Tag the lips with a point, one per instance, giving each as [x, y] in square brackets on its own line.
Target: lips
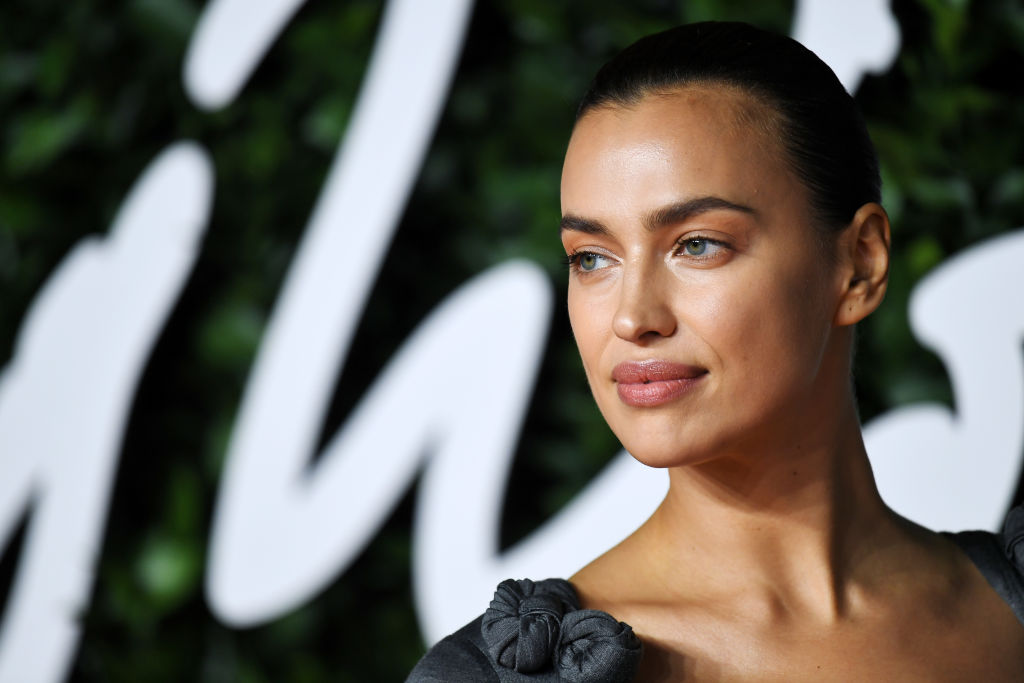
[654, 382]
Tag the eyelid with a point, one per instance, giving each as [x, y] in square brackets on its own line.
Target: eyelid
[715, 236]
[590, 249]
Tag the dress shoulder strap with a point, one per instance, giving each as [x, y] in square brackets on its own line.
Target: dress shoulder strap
[1000, 558]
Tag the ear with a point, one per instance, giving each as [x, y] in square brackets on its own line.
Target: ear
[863, 264]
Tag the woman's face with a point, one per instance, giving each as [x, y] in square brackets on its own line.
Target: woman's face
[700, 296]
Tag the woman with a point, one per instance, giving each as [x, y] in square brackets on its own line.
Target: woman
[724, 236]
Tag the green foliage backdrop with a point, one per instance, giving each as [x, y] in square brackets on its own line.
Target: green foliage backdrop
[90, 92]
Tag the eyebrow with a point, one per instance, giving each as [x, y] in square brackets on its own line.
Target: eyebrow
[677, 212]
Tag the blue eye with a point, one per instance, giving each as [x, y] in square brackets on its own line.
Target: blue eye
[700, 247]
[587, 261]
[696, 247]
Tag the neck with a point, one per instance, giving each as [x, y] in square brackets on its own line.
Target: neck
[790, 527]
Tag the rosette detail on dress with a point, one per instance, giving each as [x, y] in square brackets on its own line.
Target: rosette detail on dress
[596, 648]
[533, 627]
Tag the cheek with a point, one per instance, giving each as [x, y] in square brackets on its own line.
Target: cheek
[584, 325]
[769, 328]
[591, 322]
[727, 321]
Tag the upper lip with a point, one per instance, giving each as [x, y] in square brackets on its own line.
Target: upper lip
[641, 372]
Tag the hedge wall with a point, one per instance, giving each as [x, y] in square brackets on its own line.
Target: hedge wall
[91, 91]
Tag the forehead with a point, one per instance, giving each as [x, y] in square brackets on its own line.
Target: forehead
[697, 140]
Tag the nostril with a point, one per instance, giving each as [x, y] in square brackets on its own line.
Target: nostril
[643, 313]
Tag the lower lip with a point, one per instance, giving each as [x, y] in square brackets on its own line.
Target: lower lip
[647, 394]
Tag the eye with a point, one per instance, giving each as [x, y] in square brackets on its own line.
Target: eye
[695, 247]
[700, 247]
[587, 261]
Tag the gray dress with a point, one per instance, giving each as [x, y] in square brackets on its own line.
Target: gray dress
[535, 632]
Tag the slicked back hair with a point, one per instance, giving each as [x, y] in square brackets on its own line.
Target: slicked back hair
[821, 129]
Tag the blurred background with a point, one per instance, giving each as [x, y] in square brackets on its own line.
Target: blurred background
[91, 91]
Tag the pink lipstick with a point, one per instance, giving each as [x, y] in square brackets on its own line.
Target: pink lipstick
[654, 382]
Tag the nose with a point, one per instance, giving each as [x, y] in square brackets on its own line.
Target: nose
[644, 312]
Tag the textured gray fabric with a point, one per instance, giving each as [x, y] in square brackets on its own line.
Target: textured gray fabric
[999, 558]
[524, 621]
[460, 658]
[595, 649]
[534, 632]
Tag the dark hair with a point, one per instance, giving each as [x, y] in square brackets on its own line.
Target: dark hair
[822, 131]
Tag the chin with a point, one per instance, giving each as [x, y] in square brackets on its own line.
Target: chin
[662, 452]
[668, 460]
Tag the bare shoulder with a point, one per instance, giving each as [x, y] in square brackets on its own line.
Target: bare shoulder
[618, 580]
[922, 609]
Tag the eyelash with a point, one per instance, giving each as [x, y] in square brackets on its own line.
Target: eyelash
[572, 260]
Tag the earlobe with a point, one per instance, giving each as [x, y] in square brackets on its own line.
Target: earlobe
[864, 264]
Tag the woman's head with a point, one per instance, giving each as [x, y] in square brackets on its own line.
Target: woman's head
[816, 122]
[706, 314]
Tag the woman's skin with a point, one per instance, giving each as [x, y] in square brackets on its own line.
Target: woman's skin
[697, 267]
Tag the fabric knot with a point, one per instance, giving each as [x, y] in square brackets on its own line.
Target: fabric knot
[541, 604]
[595, 647]
[1013, 537]
[522, 625]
